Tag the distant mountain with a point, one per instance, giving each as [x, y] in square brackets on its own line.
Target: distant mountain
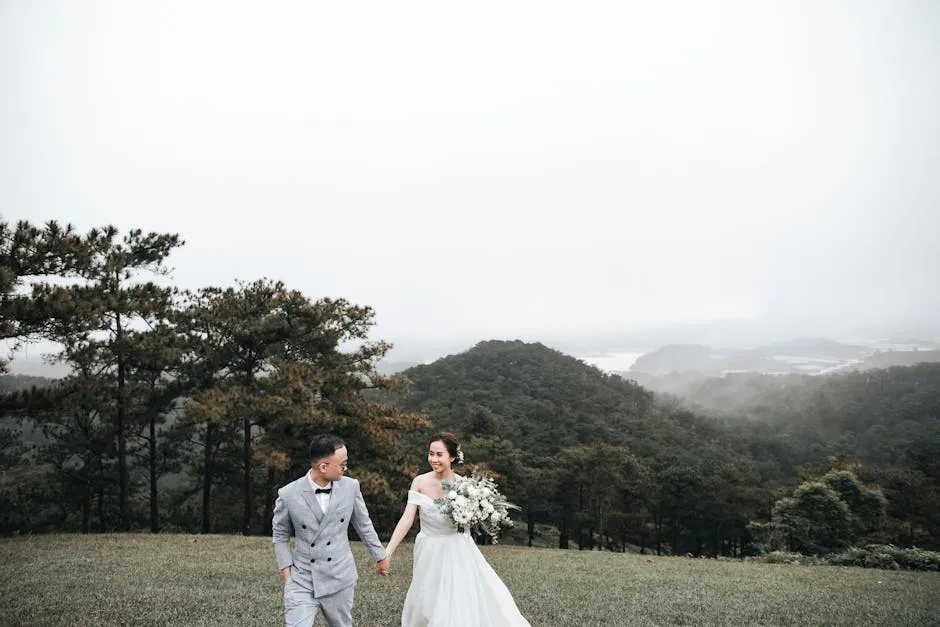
[677, 358]
[818, 348]
[737, 392]
[810, 356]
[394, 367]
[887, 359]
[19, 382]
[731, 381]
[32, 363]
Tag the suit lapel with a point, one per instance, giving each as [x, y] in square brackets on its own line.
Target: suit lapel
[335, 498]
[339, 493]
[307, 492]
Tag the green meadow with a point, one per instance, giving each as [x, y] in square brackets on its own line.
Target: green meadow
[137, 579]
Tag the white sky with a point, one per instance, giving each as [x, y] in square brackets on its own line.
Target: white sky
[499, 169]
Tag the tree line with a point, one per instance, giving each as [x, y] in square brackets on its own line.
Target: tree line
[186, 410]
[182, 410]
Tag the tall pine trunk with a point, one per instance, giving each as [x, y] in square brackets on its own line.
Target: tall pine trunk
[207, 477]
[675, 532]
[247, 505]
[659, 533]
[246, 479]
[101, 523]
[86, 506]
[580, 518]
[530, 525]
[154, 511]
[271, 492]
[123, 476]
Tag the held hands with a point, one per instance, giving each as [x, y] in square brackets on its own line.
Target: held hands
[383, 567]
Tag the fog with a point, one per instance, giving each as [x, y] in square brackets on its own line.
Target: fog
[592, 175]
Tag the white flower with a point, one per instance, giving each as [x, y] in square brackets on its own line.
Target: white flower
[475, 503]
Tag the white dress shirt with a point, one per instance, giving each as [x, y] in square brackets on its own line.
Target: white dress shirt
[323, 497]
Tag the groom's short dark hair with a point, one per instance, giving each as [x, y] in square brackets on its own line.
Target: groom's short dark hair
[324, 445]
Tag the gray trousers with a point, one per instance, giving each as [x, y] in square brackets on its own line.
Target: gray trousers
[300, 606]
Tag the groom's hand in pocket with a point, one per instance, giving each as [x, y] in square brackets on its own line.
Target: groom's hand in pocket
[285, 574]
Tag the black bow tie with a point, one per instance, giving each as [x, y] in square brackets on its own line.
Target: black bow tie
[323, 490]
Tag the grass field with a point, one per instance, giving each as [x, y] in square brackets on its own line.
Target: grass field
[232, 580]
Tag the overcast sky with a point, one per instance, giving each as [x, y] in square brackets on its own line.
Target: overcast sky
[499, 169]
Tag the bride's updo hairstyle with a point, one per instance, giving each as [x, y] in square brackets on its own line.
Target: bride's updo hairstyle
[451, 443]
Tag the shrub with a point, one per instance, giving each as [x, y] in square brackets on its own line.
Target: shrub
[889, 557]
[785, 557]
[883, 556]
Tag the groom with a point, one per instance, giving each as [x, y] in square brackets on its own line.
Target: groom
[317, 509]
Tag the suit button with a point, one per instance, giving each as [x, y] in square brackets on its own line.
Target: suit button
[329, 559]
[313, 544]
[342, 520]
[328, 543]
[303, 526]
[313, 561]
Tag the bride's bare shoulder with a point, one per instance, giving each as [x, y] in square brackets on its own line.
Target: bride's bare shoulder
[420, 483]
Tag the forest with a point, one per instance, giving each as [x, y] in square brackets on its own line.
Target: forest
[184, 411]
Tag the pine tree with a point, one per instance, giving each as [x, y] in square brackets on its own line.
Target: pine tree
[279, 372]
[101, 317]
[29, 253]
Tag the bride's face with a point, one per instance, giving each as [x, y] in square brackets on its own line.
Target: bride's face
[438, 457]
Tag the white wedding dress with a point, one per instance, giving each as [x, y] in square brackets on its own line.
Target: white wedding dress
[452, 584]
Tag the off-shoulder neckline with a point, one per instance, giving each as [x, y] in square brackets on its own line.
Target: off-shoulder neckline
[422, 494]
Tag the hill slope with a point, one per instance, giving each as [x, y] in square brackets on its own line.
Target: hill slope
[544, 400]
[783, 430]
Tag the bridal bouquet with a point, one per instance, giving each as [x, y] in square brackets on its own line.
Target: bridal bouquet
[474, 503]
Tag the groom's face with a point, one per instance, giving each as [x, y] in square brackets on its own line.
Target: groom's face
[334, 466]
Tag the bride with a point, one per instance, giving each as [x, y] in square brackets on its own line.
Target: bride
[452, 584]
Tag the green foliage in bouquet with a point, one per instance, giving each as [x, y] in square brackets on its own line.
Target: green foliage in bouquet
[474, 503]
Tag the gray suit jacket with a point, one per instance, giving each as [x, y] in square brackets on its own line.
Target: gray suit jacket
[322, 560]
